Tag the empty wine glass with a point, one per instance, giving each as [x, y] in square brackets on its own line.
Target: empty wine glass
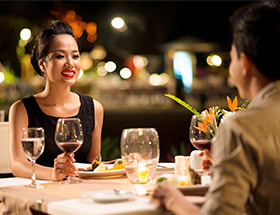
[69, 138]
[33, 145]
[140, 153]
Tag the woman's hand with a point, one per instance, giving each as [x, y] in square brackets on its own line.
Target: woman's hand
[63, 166]
[208, 162]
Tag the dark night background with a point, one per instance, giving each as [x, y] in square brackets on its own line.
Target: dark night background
[150, 23]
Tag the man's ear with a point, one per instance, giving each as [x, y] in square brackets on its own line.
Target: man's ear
[247, 64]
[42, 65]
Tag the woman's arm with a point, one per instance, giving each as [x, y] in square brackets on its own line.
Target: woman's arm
[96, 133]
[19, 163]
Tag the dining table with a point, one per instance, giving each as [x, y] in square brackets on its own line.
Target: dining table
[68, 199]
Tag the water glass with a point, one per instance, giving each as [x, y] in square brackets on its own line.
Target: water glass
[33, 145]
[140, 153]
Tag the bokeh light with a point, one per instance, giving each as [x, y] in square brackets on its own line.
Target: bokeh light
[118, 23]
[110, 66]
[140, 61]
[158, 80]
[125, 73]
[214, 60]
[25, 34]
[86, 61]
[2, 77]
[98, 52]
[183, 69]
[217, 61]
[101, 71]
[81, 74]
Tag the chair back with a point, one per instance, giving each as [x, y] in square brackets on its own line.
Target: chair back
[4, 148]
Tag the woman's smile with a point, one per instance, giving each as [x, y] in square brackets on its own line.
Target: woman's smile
[68, 73]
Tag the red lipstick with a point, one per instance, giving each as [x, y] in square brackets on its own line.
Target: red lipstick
[68, 73]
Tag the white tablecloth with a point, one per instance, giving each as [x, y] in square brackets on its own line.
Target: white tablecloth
[8, 182]
[140, 205]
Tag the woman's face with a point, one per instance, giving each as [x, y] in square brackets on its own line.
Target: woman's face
[62, 64]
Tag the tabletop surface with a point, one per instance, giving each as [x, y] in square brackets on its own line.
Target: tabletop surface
[56, 196]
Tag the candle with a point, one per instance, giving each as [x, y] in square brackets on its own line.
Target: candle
[143, 173]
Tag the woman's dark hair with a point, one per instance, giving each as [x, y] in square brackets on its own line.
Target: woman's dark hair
[256, 33]
[43, 40]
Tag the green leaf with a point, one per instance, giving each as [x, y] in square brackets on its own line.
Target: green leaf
[173, 150]
[183, 148]
[161, 179]
[245, 104]
[184, 104]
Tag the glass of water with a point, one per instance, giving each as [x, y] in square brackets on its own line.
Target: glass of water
[33, 145]
[140, 153]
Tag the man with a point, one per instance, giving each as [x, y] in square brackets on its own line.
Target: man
[246, 153]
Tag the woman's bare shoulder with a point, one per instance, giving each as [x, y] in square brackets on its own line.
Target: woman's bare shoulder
[17, 111]
[98, 106]
[17, 106]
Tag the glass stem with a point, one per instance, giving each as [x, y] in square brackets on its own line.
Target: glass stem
[205, 158]
[33, 178]
[69, 178]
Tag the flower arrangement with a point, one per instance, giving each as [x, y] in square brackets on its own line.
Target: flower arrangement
[215, 112]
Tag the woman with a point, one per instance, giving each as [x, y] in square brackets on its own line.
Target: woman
[55, 56]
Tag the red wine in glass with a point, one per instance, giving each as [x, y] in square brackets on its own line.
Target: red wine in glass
[69, 138]
[200, 138]
[69, 147]
[202, 144]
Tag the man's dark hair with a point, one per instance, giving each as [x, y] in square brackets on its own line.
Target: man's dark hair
[256, 33]
[43, 41]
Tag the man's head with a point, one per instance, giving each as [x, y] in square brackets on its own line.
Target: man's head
[256, 33]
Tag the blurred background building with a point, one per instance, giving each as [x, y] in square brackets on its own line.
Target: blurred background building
[133, 53]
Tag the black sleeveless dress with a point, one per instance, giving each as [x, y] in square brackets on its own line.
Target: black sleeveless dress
[37, 118]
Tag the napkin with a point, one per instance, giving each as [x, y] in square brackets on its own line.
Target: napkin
[139, 205]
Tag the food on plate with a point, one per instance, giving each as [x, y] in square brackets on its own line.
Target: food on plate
[174, 179]
[98, 166]
[192, 178]
[195, 177]
[101, 167]
[96, 162]
[116, 167]
[118, 162]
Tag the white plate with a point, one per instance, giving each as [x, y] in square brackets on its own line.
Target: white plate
[99, 174]
[195, 190]
[165, 166]
[105, 196]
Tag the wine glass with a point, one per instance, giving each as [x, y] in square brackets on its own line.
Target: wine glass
[69, 138]
[140, 153]
[33, 145]
[202, 131]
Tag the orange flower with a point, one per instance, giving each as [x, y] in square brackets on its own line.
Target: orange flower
[209, 116]
[233, 105]
[202, 126]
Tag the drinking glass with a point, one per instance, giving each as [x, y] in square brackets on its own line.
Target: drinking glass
[140, 153]
[69, 138]
[33, 145]
[202, 131]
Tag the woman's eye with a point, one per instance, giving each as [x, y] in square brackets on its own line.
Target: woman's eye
[76, 56]
[59, 56]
